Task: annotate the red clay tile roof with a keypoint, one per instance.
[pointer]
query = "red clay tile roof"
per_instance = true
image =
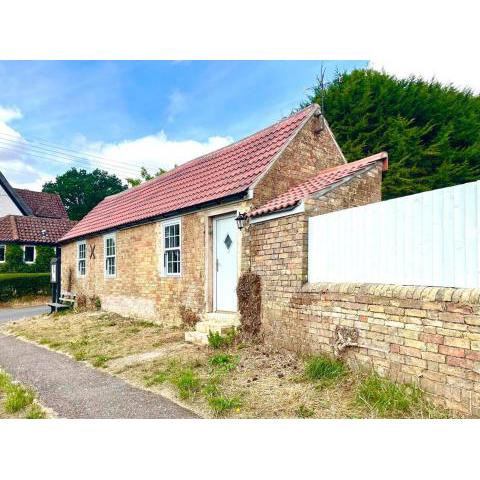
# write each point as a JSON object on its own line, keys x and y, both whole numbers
{"x": 225, "y": 172}
{"x": 43, "y": 204}
{"x": 324, "y": 179}
{"x": 17, "y": 228}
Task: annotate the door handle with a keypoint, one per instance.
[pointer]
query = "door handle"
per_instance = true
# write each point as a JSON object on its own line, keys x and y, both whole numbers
{"x": 216, "y": 264}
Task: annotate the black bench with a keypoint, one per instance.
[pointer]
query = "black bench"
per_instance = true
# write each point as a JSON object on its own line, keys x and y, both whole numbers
{"x": 66, "y": 300}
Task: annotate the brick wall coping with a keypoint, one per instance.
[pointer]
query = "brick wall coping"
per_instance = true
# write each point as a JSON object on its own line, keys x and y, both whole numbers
{"x": 438, "y": 294}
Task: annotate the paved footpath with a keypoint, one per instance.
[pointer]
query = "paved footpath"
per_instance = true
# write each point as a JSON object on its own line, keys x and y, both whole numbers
{"x": 9, "y": 314}
{"x": 74, "y": 390}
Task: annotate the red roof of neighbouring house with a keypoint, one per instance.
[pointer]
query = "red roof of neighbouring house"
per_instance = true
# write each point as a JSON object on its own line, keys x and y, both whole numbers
{"x": 217, "y": 175}
{"x": 28, "y": 229}
{"x": 48, "y": 205}
{"x": 326, "y": 178}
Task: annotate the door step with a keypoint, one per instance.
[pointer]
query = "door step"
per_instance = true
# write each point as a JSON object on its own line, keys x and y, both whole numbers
{"x": 212, "y": 322}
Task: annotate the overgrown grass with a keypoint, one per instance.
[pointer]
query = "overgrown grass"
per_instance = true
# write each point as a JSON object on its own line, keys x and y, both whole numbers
{"x": 304, "y": 412}
{"x": 100, "y": 361}
{"x": 18, "y": 400}
{"x": 224, "y": 361}
{"x": 95, "y": 337}
{"x": 187, "y": 383}
{"x": 388, "y": 399}
{"x": 182, "y": 377}
{"x": 324, "y": 368}
{"x": 35, "y": 412}
{"x": 221, "y": 404}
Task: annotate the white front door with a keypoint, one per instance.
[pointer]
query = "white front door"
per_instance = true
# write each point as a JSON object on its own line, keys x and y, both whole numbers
{"x": 225, "y": 263}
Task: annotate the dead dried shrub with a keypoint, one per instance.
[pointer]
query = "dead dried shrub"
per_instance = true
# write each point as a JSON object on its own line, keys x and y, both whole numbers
{"x": 188, "y": 316}
{"x": 94, "y": 302}
{"x": 249, "y": 303}
{"x": 81, "y": 301}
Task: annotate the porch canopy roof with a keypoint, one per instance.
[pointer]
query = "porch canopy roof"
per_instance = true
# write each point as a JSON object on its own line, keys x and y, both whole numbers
{"x": 325, "y": 179}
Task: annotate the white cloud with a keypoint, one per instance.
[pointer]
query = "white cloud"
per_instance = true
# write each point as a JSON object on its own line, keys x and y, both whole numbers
{"x": 8, "y": 114}
{"x": 152, "y": 152}
{"x": 453, "y": 70}
{"x": 14, "y": 161}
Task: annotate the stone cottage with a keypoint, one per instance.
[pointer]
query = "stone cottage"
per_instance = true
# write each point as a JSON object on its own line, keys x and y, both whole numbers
{"x": 173, "y": 242}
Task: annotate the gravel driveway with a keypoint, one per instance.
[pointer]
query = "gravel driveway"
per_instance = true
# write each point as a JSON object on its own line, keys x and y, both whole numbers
{"x": 74, "y": 390}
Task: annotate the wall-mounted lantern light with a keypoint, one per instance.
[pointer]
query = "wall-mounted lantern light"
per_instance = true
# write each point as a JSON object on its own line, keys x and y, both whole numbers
{"x": 241, "y": 220}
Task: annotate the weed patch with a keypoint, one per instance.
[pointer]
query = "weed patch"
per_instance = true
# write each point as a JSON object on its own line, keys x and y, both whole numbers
{"x": 324, "y": 368}
{"x": 391, "y": 400}
{"x": 221, "y": 404}
{"x": 100, "y": 361}
{"x": 18, "y": 397}
{"x": 217, "y": 341}
{"x": 223, "y": 361}
{"x": 187, "y": 383}
{"x": 304, "y": 412}
{"x": 183, "y": 378}
{"x": 35, "y": 412}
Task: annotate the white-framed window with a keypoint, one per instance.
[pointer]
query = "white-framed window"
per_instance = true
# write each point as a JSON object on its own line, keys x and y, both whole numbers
{"x": 172, "y": 242}
{"x": 110, "y": 254}
{"x": 3, "y": 253}
{"x": 81, "y": 258}
{"x": 29, "y": 254}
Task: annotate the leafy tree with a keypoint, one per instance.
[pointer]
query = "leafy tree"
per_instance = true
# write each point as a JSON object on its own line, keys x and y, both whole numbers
{"x": 144, "y": 176}
{"x": 81, "y": 191}
{"x": 430, "y": 131}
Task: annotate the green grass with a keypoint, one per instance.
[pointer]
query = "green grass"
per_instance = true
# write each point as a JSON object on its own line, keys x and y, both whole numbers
{"x": 324, "y": 368}
{"x": 388, "y": 399}
{"x": 147, "y": 324}
{"x": 17, "y": 398}
{"x": 5, "y": 381}
{"x": 182, "y": 377}
{"x": 221, "y": 404}
{"x": 100, "y": 361}
{"x": 217, "y": 341}
{"x": 224, "y": 361}
{"x": 187, "y": 383}
{"x": 304, "y": 412}
{"x": 35, "y": 412}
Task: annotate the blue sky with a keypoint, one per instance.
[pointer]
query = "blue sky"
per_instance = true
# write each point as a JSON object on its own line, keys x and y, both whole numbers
{"x": 134, "y": 113}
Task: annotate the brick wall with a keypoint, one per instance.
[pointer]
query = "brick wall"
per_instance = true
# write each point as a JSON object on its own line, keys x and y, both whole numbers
{"x": 426, "y": 335}
{"x": 138, "y": 288}
{"x": 304, "y": 157}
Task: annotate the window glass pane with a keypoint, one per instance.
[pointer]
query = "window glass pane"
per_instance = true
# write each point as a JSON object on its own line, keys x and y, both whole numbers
{"x": 81, "y": 251}
{"x": 2, "y": 253}
{"x": 173, "y": 261}
{"x": 110, "y": 265}
{"x": 110, "y": 246}
{"x": 172, "y": 236}
{"x": 29, "y": 254}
